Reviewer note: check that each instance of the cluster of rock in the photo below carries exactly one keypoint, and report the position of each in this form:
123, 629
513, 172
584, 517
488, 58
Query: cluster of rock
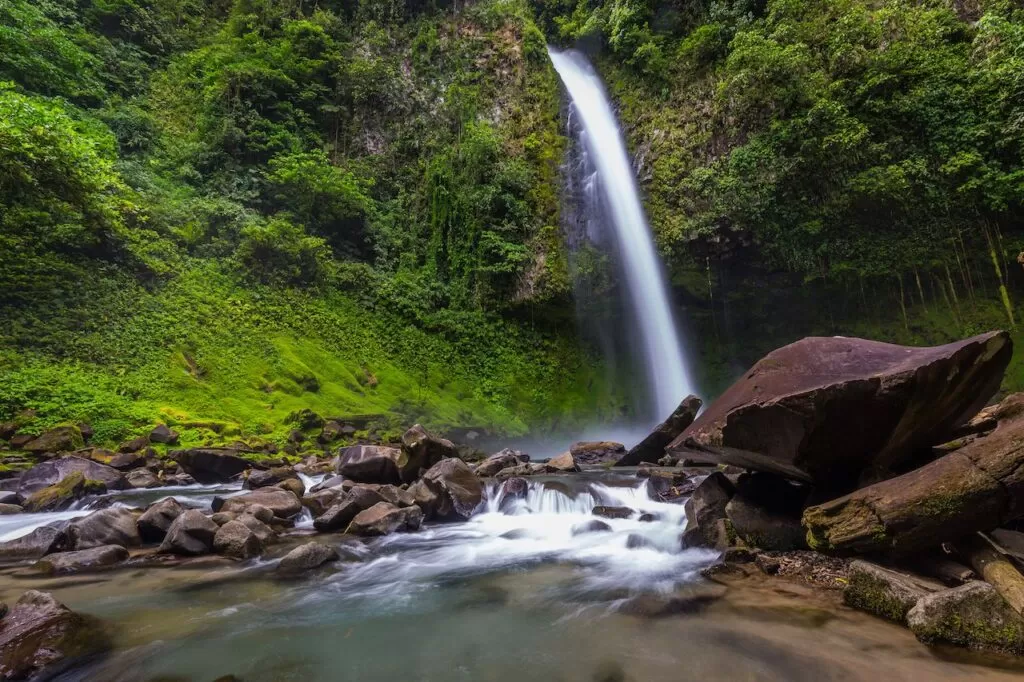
853, 447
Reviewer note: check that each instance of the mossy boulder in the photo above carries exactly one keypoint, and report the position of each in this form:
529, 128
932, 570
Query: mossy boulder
54, 471
972, 615
885, 592
72, 487
58, 439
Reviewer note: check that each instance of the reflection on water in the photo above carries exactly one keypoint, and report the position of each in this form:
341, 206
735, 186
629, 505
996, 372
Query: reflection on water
516, 593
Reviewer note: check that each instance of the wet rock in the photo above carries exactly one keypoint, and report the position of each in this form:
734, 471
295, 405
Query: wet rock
593, 526
142, 479
384, 518
396, 496
41, 636
293, 485
319, 502
54, 471
306, 557
283, 503
885, 592
134, 445
58, 439
637, 541
11, 497
690, 599
828, 410
220, 518
765, 512
61, 495
126, 461
258, 511
563, 463
114, 526
211, 465
264, 533
8, 509
972, 615
707, 522
35, 544
590, 453
82, 561
421, 450
456, 489
609, 512
338, 516
190, 534
269, 477
163, 434
652, 448
329, 482
528, 469
157, 519
236, 540
648, 517
501, 460
516, 488
976, 488
371, 464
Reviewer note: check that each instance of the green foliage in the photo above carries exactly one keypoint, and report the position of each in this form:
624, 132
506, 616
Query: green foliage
279, 251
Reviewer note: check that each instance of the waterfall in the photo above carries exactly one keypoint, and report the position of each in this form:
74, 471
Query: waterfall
613, 189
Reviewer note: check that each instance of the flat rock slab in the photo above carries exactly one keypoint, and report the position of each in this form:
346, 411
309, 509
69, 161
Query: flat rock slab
830, 410
82, 561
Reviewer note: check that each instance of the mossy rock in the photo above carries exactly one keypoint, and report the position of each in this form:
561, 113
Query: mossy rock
60, 495
884, 592
972, 615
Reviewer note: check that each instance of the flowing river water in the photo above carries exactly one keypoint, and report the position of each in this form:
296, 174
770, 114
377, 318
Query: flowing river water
517, 592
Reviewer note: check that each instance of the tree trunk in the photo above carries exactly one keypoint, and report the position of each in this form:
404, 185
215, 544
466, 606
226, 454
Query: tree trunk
995, 569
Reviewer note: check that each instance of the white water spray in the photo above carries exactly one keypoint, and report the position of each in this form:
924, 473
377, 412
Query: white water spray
664, 361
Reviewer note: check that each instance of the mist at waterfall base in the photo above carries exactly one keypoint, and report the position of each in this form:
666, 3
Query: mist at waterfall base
623, 303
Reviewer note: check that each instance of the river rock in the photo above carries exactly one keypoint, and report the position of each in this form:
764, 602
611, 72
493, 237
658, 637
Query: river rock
191, 534
11, 497
306, 557
457, 489
142, 479
35, 544
126, 461
609, 512
498, 461
384, 518
972, 615
236, 540
114, 526
211, 465
40, 636
885, 592
371, 464
283, 503
157, 519
834, 410
396, 496
707, 522
58, 439
8, 509
652, 447
527, 469
263, 532
54, 471
61, 495
338, 516
976, 488
163, 434
81, 561
421, 450
591, 453
269, 477
562, 463
592, 526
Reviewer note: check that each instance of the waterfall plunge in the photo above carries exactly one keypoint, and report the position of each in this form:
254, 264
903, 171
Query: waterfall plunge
664, 363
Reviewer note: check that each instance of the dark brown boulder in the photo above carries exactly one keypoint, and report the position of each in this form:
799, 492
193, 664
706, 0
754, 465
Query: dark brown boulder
236, 540
384, 518
370, 464
283, 503
211, 465
500, 460
40, 636
38, 543
652, 448
82, 561
61, 495
265, 479
163, 434
590, 453
458, 490
422, 450
190, 534
157, 519
58, 439
707, 523
114, 526
836, 410
976, 488
54, 471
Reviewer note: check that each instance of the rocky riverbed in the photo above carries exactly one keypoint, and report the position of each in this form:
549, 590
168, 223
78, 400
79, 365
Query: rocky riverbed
838, 477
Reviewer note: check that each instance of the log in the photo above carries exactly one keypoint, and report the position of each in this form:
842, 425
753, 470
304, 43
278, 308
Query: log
652, 448
976, 488
995, 569
935, 565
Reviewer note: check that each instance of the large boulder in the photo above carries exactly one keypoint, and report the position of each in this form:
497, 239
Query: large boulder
40, 636
62, 494
562, 463
83, 560
976, 488
597, 452
422, 450
306, 557
384, 518
457, 490
371, 464
707, 523
211, 465
652, 448
142, 479
35, 544
114, 526
157, 519
236, 540
885, 592
58, 439
283, 503
163, 434
500, 460
836, 410
269, 477
972, 615
191, 534
765, 512
54, 471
